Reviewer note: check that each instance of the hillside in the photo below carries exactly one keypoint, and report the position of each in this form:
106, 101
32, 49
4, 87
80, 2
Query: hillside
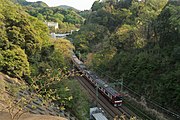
29, 55
68, 8
137, 42
32, 4
6, 102
67, 17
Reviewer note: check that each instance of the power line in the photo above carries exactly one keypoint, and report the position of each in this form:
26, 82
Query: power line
150, 101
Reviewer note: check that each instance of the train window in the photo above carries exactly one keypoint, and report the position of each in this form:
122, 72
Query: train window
105, 85
110, 96
117, 98
106, 92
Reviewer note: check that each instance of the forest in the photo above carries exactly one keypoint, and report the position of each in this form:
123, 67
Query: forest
67, 17
136, 41
29, 54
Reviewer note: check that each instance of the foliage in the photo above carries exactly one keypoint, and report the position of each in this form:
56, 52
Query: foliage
89, 35
85, 14
25, 44
108, 14
77, 96
124, 38
54, 86
27, 53
66, 7
54, 55
15, 62
142, 45
21, 37
64, 46
67, 19
31, 4
168, 26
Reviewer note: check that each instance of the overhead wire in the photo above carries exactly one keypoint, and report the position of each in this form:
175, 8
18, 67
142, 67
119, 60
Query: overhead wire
148, 100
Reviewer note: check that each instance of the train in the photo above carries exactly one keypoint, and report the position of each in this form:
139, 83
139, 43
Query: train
114, 97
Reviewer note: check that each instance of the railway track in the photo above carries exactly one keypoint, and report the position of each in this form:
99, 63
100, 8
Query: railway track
109, 109
89, 79
91, 91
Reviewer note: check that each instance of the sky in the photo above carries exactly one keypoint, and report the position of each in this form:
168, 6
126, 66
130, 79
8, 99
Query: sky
78, 4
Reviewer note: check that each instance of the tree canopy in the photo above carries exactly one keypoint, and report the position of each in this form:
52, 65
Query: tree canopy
141, 43
19, 38
68, 19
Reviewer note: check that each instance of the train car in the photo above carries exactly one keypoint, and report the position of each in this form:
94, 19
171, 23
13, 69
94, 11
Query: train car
78, 64
112, 95
91, 77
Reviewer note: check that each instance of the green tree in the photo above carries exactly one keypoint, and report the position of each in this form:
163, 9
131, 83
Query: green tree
15, 62
123, 38
168, 26
96, 5
142, 44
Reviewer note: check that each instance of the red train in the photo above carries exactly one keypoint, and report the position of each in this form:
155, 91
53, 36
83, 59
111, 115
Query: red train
111, 94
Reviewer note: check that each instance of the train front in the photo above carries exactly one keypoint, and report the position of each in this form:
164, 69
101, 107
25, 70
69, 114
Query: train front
117, 100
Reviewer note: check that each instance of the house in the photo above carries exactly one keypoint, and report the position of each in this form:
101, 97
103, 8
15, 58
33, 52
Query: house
52, 24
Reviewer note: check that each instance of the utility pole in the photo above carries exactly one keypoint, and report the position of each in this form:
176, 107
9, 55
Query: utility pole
118, 83
122, 84
97, 87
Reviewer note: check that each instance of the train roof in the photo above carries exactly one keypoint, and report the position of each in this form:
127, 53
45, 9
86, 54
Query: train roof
92, 74
99, 116
89, 72
77, 60
82, 66
73, 55
101, 83
111, 91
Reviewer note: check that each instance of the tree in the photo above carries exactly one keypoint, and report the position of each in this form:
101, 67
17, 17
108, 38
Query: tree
40, 16
124, 38
96, 5
15, 62
143, 44
63, 45
168, 26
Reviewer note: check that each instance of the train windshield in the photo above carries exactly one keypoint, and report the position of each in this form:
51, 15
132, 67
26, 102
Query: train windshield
118, 98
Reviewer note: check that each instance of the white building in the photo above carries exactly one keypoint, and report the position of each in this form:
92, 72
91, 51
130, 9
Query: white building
54, 35
52, 24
